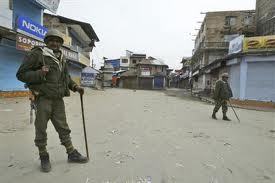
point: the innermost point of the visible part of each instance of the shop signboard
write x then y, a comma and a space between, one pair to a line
30, 28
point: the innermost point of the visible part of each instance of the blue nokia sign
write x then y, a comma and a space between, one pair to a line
31, 28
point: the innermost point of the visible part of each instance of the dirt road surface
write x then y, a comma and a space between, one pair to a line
141, 136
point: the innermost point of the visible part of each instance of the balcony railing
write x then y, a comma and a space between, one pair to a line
212, 45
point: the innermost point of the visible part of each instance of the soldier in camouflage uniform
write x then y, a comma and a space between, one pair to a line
45, 72
222, 94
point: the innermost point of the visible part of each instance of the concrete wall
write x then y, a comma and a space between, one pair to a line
265, 10
131, 64
234, 80
53, 22
215, 24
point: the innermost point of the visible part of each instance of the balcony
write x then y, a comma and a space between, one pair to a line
214, 45
211, 46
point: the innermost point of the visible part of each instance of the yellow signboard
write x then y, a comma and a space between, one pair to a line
260, 43
269, 41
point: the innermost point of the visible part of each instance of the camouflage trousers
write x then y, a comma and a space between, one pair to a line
54, 110
220, 103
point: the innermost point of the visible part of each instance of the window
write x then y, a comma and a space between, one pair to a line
134, 61
248, 20
125, 61
230, 20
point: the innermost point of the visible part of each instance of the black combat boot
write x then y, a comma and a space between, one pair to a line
45, 162
214, 116
76, 157
225, 118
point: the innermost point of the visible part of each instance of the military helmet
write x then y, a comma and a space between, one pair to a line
225, 75
53, 33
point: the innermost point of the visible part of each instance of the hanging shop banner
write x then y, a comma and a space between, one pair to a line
26, 43
236, 45
30, 28
51, 5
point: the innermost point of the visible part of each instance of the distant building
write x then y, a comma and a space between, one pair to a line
185, 71
149, 73
265, 16
108, 72
136, 58
124, 63
212, 42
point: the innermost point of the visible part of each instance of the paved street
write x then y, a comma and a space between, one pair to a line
139, 135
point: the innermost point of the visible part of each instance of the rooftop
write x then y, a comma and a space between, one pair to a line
88, 29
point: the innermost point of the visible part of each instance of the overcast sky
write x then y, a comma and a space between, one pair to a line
159, 28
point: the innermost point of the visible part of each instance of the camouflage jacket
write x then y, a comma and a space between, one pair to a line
56, 83
222, 91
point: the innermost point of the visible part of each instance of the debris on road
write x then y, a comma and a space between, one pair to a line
122, 158
227, 144
119, 162
115, 131
108, 153
266, 177
230, 170
210, 166
179, 165
202, 135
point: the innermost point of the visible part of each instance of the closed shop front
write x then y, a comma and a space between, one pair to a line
145, 83
129, 82
234, 80
158, 82
260, 83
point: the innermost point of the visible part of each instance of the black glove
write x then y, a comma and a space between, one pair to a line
80, 90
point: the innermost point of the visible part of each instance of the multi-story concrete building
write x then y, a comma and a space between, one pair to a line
212, 42
135, 58
265, 16
149, 73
